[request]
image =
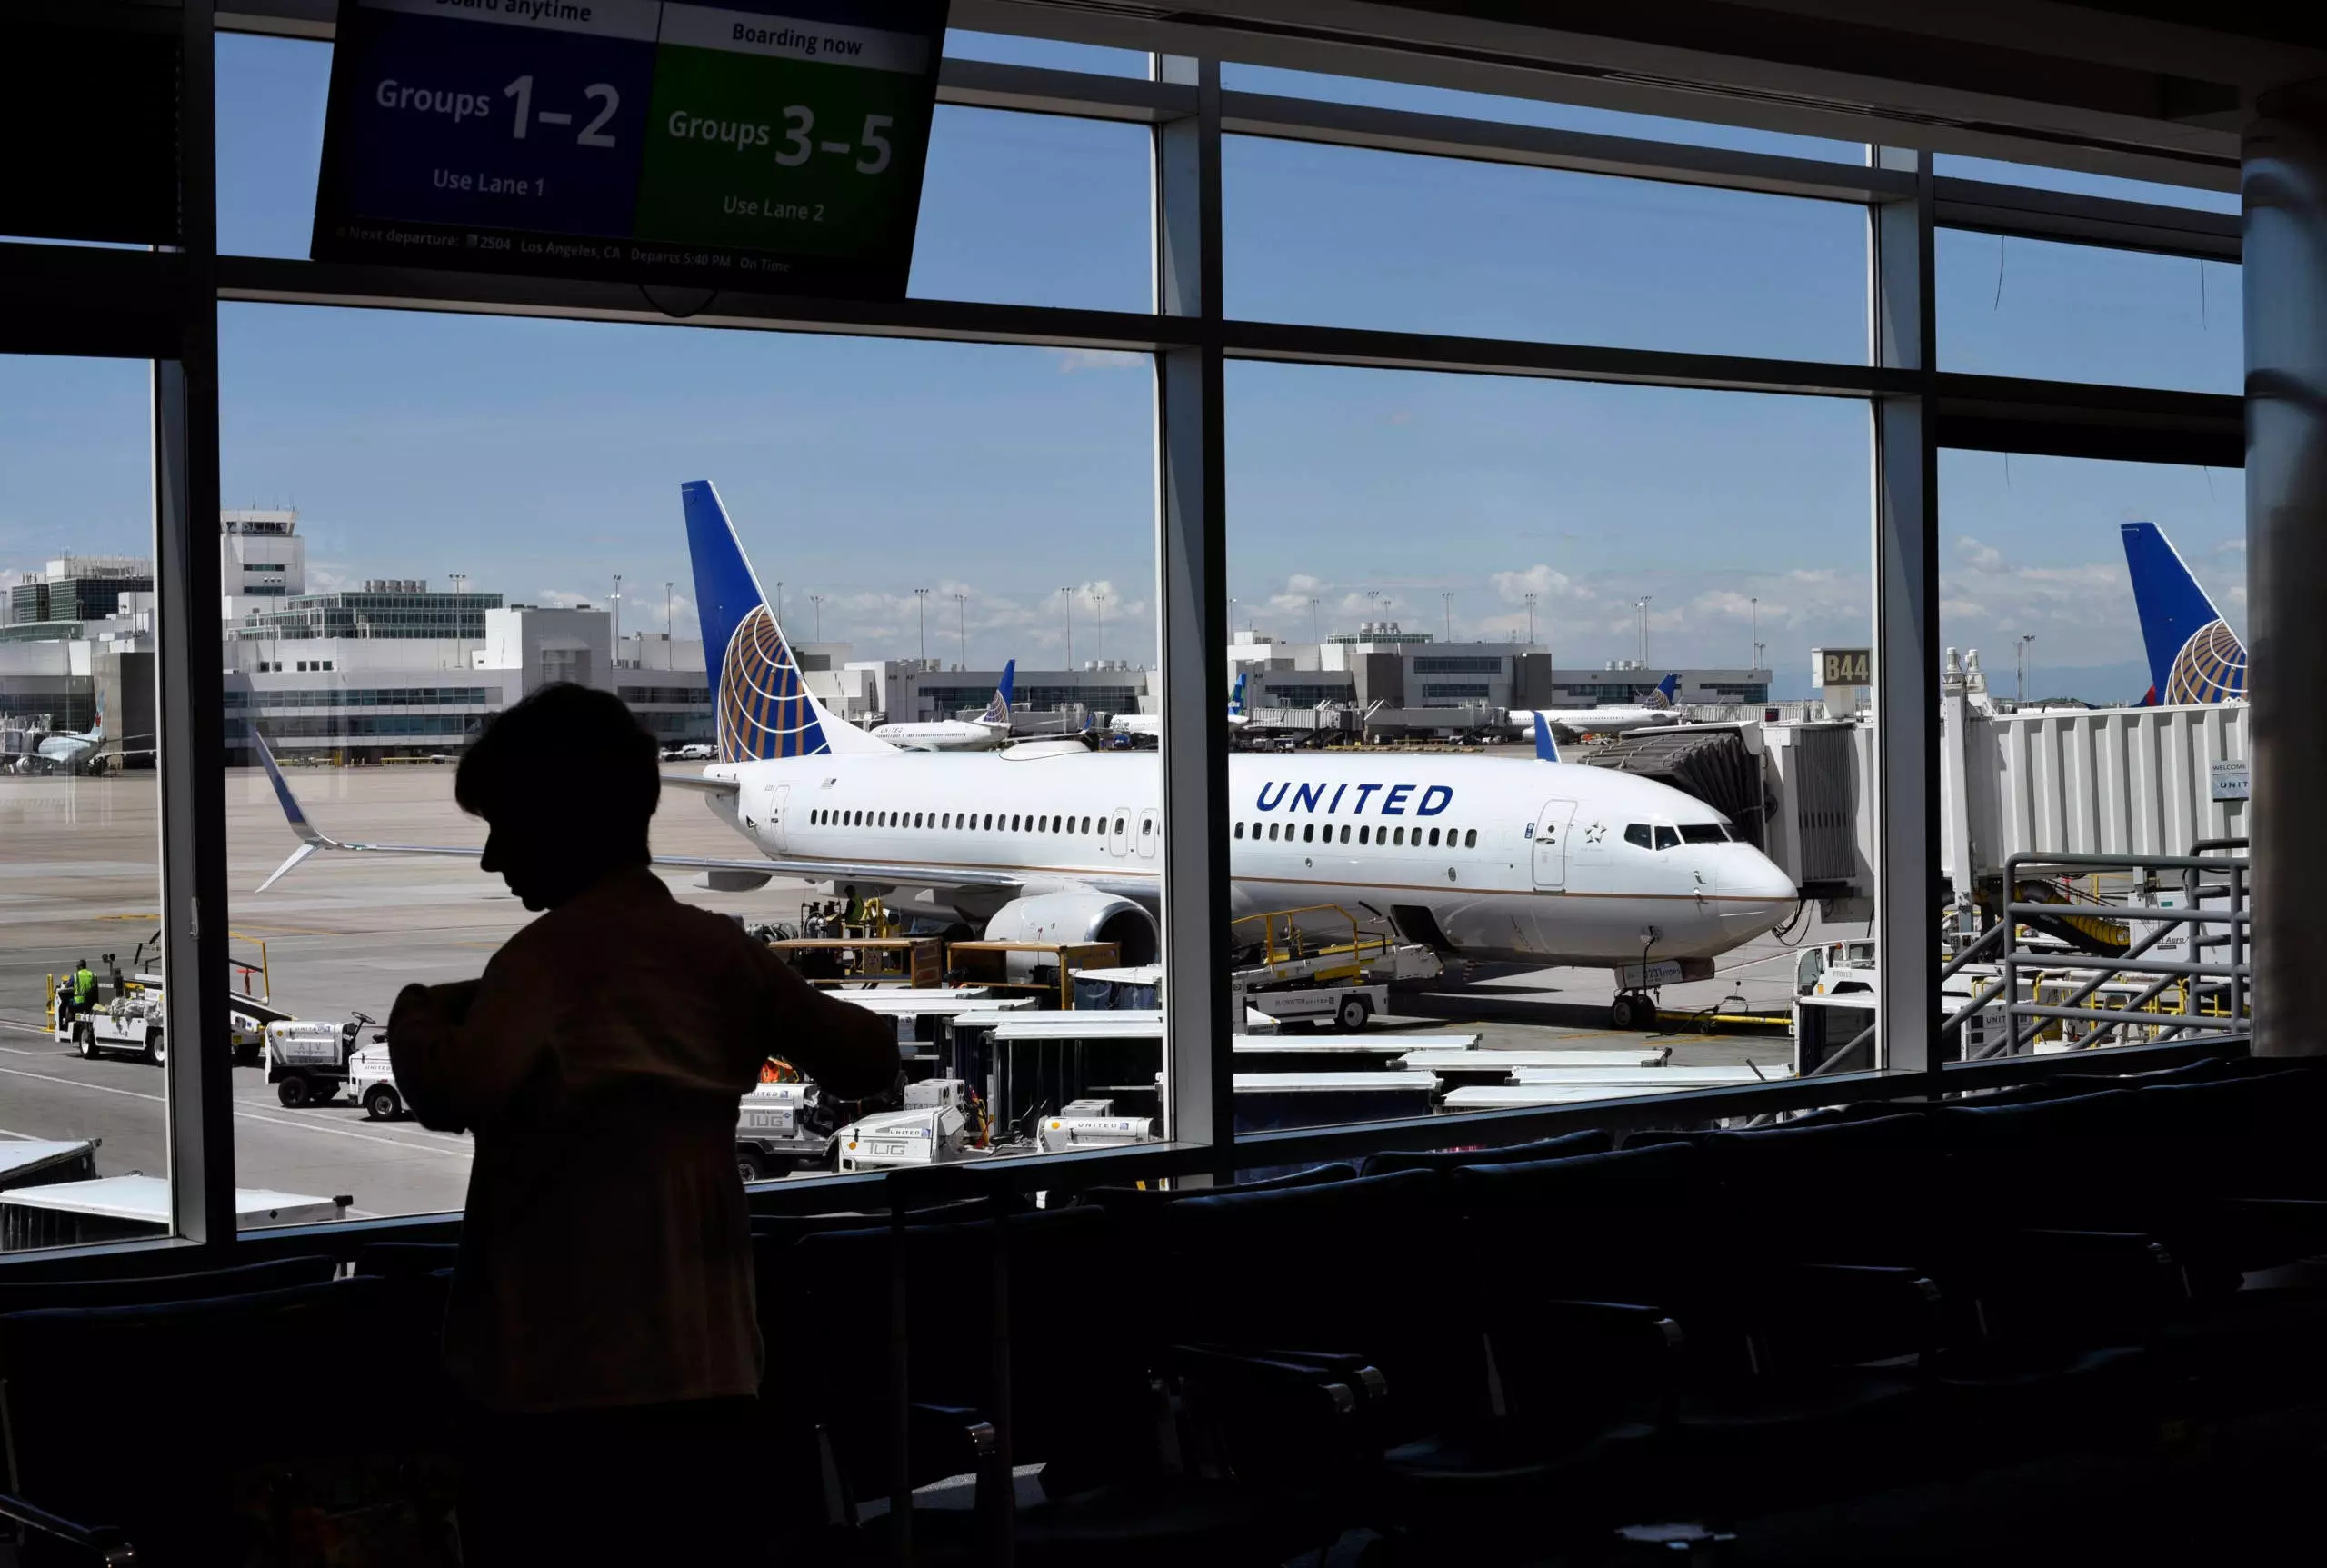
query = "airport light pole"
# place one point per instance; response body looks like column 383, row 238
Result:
column 1066, row 597
column 460, row 586
column 2020, row 649
column 1315, row 635
column 1531, row 620
column 1099, row 602
column 616, row 604
column 1641, row 604
column 1448, row 601
column 670, row 655
column 1372, row 608
column 962, row 626
column 921, row 606
column 817, row 602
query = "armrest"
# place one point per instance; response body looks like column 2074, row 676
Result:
column 1846, row 1313
column 1361, row 1376
column 1312, row 1378
column 103, row 1542
column 1262, row 1414
column 2086, row 1282
column 1554, row 1355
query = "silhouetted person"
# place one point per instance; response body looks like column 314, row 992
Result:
column 600, row 1327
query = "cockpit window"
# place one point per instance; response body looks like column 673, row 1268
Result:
column 1638, row 834
column 1667, row 838
column 1703, row 833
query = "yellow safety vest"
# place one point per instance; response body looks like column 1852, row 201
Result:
column 85, row 985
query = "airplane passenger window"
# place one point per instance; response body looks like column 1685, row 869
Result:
column 1667, row 838
column 989, row 822
column 1344, row 832
column 1309, row 834
column 1398, row 836
column 1433, row 838
column 1014, row 824
column 1086, row 825
column 1273, row 831
column 1638, row 834
column 1361, row 834
column 1703, row 833
column 916, row 819
column 1470, row 839
column 1239, row 830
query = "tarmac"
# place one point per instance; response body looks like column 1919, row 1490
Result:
column 345, row 933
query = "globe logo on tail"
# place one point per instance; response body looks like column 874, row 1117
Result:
column 763, row 706
column 2210, row 668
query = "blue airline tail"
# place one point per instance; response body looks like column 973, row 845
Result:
column 1547, row 750
column 2194, row 655
column 763, row 706
column 1666, row 690
column 997, row 711
column 1236, row 697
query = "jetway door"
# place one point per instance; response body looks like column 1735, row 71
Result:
column 1550, row 843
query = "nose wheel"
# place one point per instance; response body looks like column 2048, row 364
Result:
column 1631, row 1010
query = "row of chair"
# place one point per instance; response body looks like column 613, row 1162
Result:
column 1516, row 1349
column 1474, row 1353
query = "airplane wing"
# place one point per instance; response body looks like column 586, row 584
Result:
column 698, row 782
column 312, row 840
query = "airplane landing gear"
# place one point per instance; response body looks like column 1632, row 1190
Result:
column 1631, row 1010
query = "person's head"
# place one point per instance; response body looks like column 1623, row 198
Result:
column 566, row 783
column 84, row 963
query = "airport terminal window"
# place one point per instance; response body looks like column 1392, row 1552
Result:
column 1339, row 236
column 2062, row 312
column 80, row 822
column 801, row 434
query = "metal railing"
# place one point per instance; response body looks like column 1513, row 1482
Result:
column 2183, row 998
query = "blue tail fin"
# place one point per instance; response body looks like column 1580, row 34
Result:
column 2194, row 655
column 997, row 711
column 764, row 705
column 1236, row 697
column 1666, row 690
column 1547, row 750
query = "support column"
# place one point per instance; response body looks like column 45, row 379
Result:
column 1191, row 572
column 1906, row 628
column 2286, row 558
column 190, row 742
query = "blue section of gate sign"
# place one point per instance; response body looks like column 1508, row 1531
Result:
column 494, row 123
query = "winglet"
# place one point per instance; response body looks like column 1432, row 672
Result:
column 292, row 812
column 1546, row 749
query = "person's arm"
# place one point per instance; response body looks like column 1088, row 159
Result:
column 460, row 1051
column 850, row 1052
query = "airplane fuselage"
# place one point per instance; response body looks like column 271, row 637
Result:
column 1525, row 860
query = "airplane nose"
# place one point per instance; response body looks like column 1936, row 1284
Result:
column 1755, row 891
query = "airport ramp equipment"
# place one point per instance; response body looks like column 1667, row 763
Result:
column 135, row 1208
column 2084, row 923
column 1521, row 1096
column 43, row 1162
column 1266, row 1102
column 1708, row 761
column 1461, row 1069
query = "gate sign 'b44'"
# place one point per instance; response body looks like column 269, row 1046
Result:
column 768, row 146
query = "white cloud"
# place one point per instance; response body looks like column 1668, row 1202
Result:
column 1979, row 558
column 567, row 599
column 1540, row 581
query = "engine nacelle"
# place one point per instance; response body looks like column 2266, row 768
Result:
column 1070, row 917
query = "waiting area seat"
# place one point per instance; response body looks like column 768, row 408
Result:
column 1479, row 1355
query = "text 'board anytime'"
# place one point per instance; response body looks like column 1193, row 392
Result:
column 769, row 145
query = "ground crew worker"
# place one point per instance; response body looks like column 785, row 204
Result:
column 84, row 989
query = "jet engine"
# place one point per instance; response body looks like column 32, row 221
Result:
column 1071, row 916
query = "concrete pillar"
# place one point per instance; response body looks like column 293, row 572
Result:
column 2285, row 188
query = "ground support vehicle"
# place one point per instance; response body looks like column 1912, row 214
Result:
column 372, row 1081
column 1318, row 965
column 307, row 1059
column 781, row 1127
column 131, row 1023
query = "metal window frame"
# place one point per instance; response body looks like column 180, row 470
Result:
column 163, row 307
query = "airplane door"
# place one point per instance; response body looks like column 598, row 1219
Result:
column 1119, row 834
column 775, row 804
column 1550, row 843
column 1149, row 833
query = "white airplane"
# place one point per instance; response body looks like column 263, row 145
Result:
column 68, row 751
column 983, row 733
column 1048, row 841
column 1569, row 723
column 1151, row 725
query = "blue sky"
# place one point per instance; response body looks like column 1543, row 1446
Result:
column 541, row 458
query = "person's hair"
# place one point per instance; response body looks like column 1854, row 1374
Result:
column 572, row 753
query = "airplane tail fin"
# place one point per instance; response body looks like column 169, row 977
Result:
column 1547, row 750
column 1666, row 691
column 2194, row 655
column 997, row 711
column 763, row 703
column 1236, row 697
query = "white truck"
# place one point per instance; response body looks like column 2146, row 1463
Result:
column 777, row 1130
